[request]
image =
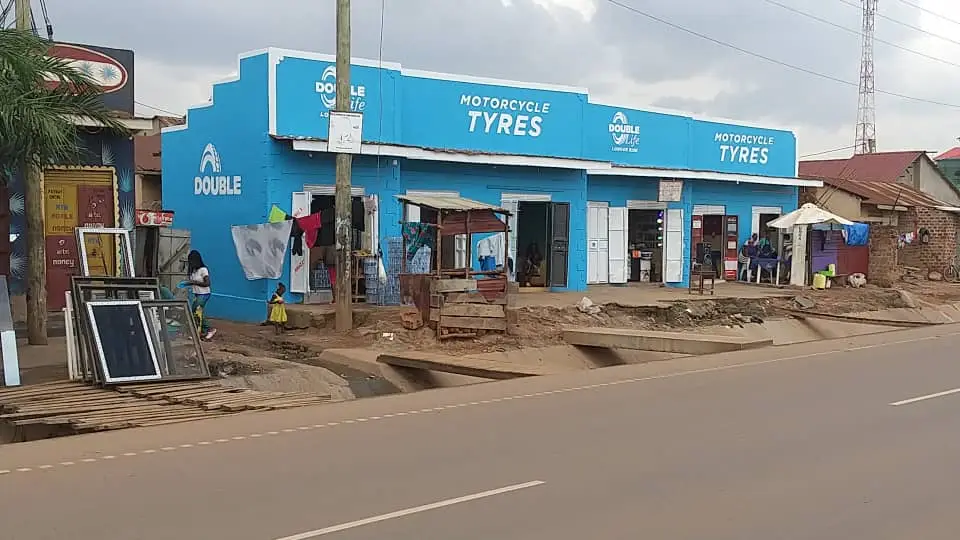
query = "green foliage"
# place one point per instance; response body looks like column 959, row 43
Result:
column 40, row 99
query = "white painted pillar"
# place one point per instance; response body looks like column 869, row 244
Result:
column 798, row 266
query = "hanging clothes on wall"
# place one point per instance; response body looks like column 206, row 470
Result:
column 417, row 235
column 857, row 234
column 296, row 237
column 262, row 248
column 276, row 215
column 311, row 226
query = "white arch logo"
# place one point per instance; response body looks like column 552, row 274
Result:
column 211, row 181
column 626, row 137
column 210, row 158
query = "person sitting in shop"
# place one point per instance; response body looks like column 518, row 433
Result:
column 531, row 265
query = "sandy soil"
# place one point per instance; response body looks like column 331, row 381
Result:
column 540, row 326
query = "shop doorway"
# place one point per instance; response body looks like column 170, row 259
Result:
column 539, row 241
column 762, row 216
column 312, row 266
column 645, row 233
column 715, row 240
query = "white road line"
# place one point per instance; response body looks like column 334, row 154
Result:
column 415, row 510
column 926, row 397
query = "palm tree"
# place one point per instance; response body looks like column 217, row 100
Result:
column 40, row 100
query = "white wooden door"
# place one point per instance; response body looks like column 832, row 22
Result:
column 619, row 267
column 673, row 247
column 512, row 206
column 598, row 243
column 299, row 271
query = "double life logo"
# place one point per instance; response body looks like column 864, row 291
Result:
column 327, row 88
column 211, row 180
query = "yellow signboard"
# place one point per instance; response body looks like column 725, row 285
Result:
column 60, row 208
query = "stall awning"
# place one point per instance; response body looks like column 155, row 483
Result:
column 449, row 202
column 482, row 217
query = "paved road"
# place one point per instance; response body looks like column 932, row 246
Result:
column 797, row 442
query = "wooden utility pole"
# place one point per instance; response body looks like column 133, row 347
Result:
column 33, row 209
column 22, row 9
column 344, row 202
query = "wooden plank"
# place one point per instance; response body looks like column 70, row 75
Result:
column 469, row 298
column 472, row 310
column 453, row 285
column 461, row 365
column 473, row 323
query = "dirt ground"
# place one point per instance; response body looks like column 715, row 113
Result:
column 541, row 325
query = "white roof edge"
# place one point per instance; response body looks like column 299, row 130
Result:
column 424, row 154
column 456, row 77
column 948, row 209
column 323, row 57
column 223, row 80
column 423, row 74
column 133, row 124
column 704, row 175
column 692, row 116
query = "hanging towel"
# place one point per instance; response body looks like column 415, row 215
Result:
column 276, row 215
column 417, row 235
column 857, row 234
column 262, row 248
column 310, row 226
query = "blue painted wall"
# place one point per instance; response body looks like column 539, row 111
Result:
column 487, row 183
column 508, row 118
column 305, row 94
column 414, row 110
column 488, row 118
column 243, row 148
column 739, row 200
column 292, row 170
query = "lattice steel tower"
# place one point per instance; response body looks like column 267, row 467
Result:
column 867, row 107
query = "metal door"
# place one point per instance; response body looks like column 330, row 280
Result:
column 598, row 243
column 560, row 243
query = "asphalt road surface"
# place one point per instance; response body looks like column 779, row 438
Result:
column 854, row 438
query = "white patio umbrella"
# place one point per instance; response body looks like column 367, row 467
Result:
column 799, row 220
column 808, row 214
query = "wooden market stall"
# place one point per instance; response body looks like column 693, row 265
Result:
column 457, row 299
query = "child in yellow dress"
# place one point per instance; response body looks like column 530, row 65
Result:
column 278, row 312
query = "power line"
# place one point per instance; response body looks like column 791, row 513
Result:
column 828, row 151
column 158, row 109
column 773, row 60
column 934, row 13
column 859, row 33
column 901, row 23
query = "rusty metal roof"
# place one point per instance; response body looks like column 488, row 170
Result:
column 885, row 193
column 878, row 167
column 449, row 202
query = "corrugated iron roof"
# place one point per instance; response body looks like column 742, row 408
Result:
column 878, row 167
column 953, row 153
column 885, row 193
column 448, row 202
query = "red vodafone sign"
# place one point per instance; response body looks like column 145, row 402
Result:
column 154, row 218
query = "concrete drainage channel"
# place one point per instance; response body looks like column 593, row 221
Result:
column 412, row 371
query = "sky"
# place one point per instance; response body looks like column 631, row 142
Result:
column 622, row 56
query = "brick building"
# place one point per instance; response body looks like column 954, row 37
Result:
column 899, row 195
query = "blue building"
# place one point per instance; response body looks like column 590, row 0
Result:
column 599, row 185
